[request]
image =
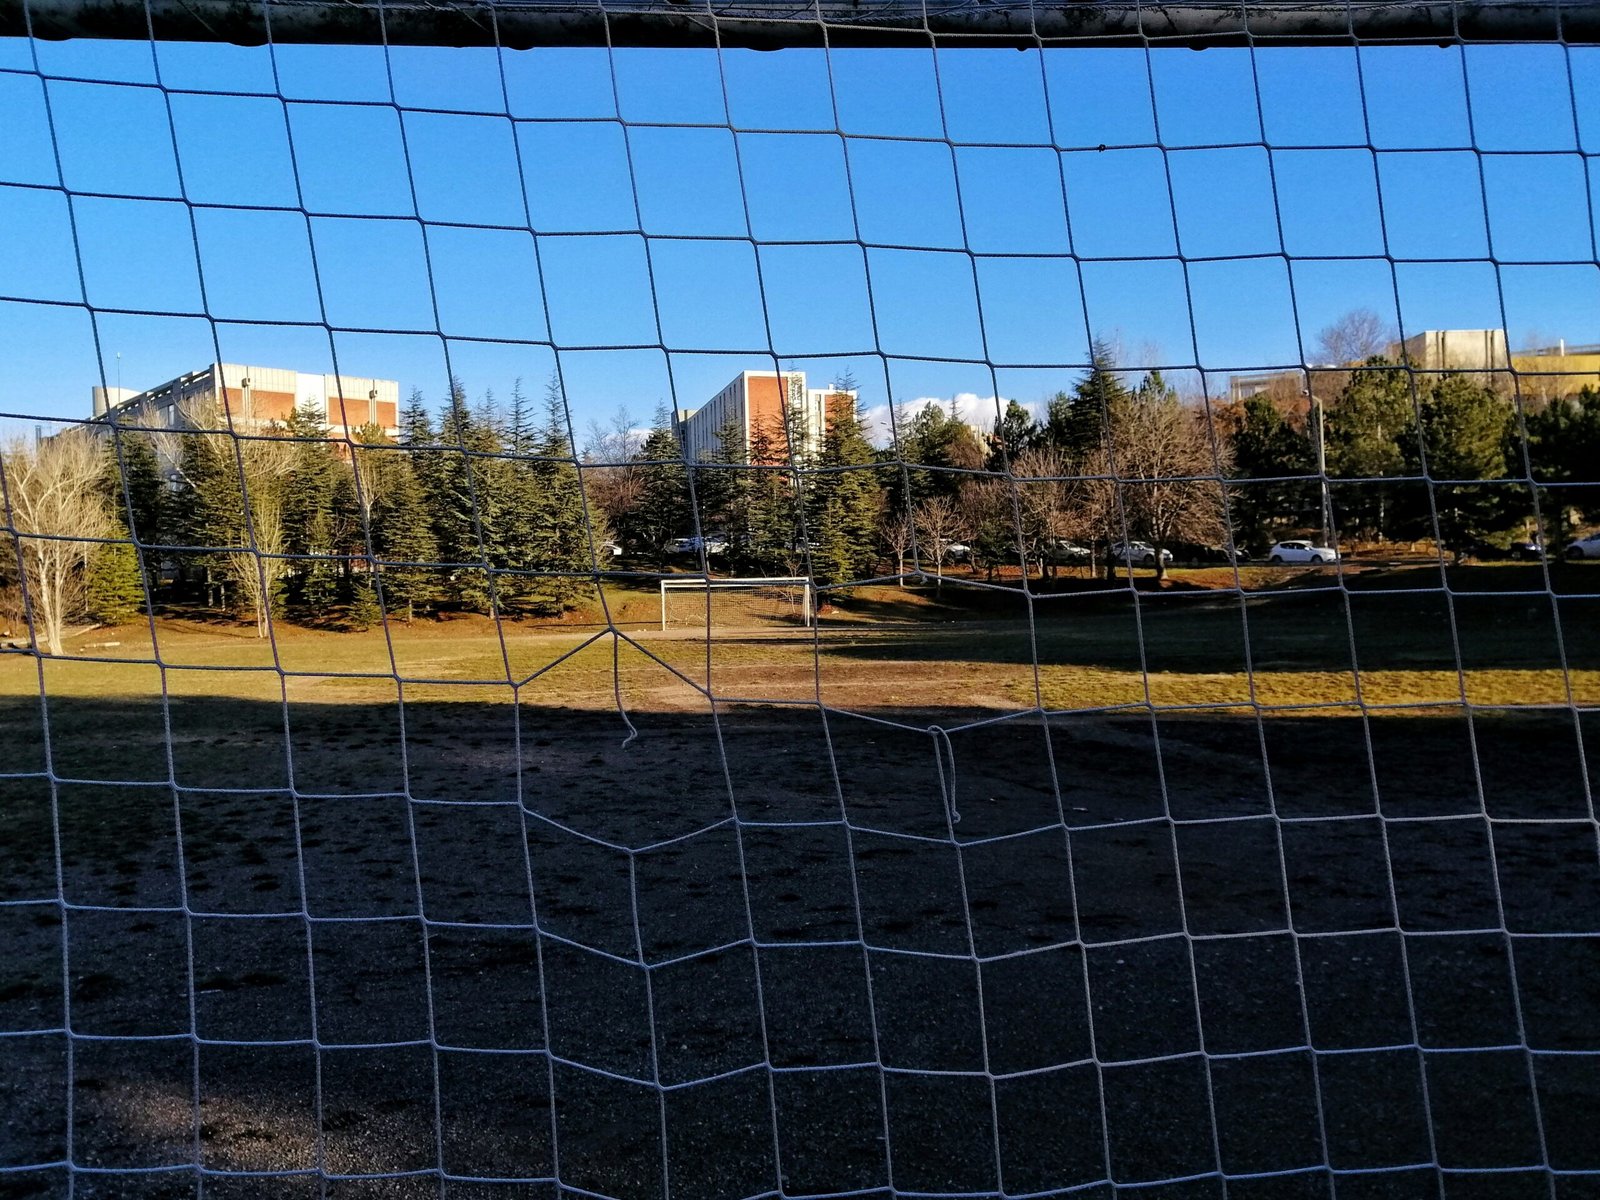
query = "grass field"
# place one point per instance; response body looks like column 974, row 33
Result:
column 420, row 920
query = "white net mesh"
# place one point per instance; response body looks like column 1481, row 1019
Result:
column 1103, row 699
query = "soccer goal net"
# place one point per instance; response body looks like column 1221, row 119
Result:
column 429, row 432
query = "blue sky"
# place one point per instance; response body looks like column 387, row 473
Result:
column 938, row 224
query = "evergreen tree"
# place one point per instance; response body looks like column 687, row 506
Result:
column 1267, row 447
column 402, row 535
column 1563, row 454
column 662, row 512
column 204, row 514
column 1075, row 422
column 1462, row 428
column 933, row 437
column 770, row 512
column 1363, row 431
column 309, row 513
column 365, row 611
column 844, row 505
column 114, row 592
column 720, row 483
column 468, row 495
column 561, row 546
column 521, row 435
column 138, row 491
column 1015, row 432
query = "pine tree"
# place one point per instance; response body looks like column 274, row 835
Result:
column 844, row 505
column 769, row 511
column 1364, row 430
column 402, row 536
column 139, row 492
column 467, row 498
column 364, row 611
column 1462, row 429
column 114, row 590
column 204, row 514
column 1075, row 423
column 1267, row 447
column 662, row 512
column 309, row 516
column 1015, row 432
column 521, row 436
column 1563, row 452
column 560, row 547
column 720, row 482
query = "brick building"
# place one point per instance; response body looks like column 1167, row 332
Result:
column 756, row 400
column 251, row 397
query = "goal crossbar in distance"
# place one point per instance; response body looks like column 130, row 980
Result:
column 770, row 24
column 695, row 584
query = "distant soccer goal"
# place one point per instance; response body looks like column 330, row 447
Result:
column 750, row 602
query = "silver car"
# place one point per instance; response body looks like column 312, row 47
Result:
column 1584, row 547
column 1302, row 552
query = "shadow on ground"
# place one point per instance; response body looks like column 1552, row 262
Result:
column 478, row 949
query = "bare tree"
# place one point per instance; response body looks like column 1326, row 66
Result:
column 615, row 483
column 899, row 533
column 1353, row 338
column 258, row 569
column 938, row 522
column 1158, row 474
column 1049, row 501
column 54, row 502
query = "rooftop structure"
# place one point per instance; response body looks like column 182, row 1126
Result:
column 248, row 398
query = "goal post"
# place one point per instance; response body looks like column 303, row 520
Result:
column 710, row 586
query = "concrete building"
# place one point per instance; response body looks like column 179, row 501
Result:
column 755, row 401
column 252, row 397
column 1430, row 350
column 1454, row 350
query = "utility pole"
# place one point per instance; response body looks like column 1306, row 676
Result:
column 1319, row 438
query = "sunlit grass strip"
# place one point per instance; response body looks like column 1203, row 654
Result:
column 1381, row 691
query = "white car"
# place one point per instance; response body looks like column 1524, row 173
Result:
column 1059, row 550
column 1584, row 547
column 958, row 552
column 1302, row 552
column 715, row 544
column 1138, row 554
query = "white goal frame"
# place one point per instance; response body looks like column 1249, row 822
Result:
column 684, row 583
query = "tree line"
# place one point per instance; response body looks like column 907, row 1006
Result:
column 487, row 507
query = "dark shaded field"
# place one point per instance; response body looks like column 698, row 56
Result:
column 752, row 954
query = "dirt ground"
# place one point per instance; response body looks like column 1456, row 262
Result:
column 334, row 935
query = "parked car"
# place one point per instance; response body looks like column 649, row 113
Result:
column 1137, row 554
column 1529, row 549
column 1584, row 547
column 1062, row 552
column 715, row 544
column 958, row 552
column 1302, row 552
column 1210, row 552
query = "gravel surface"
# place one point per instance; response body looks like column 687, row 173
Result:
column 1094, row 975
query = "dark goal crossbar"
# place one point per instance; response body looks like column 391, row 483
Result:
column 772, row 24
